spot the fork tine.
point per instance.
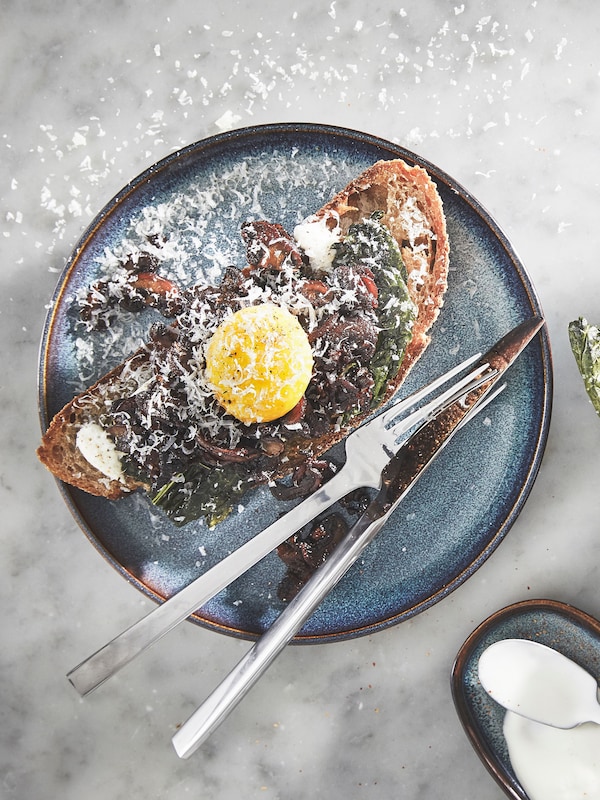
(413, 399)
(473, 380)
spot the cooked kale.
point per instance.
(585, 344)
(208, 492)
(369, 243)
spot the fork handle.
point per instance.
(207, 718)
(110, 658)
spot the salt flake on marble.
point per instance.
(74, 208)
(157, 50)
(227, 121)
(184, 98)
(78, 140)
(559, 49)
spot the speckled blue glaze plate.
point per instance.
(198, 198)
(573, 633)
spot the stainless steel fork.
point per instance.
(368, 449)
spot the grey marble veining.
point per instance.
(505, 97)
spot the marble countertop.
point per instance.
(505, 97)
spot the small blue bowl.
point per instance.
(573, 633)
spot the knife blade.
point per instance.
(399, 476)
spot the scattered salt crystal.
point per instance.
(559, 48)
(79, 139)
(74, 208)
(227, 121)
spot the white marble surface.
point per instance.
(505, 97)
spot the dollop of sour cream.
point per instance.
(552, 763)
(316, 236)
(98, 449)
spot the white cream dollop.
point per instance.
(316, 236)
(551, 763)
(99, 450)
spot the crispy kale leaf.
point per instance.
(585, 344)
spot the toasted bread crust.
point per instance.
(386, 186)
(59, 452)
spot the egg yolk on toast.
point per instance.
(259, 363)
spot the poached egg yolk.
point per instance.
(259, 363)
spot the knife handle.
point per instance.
(207, 718)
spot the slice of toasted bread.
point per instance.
(415, 217)
(413, 213)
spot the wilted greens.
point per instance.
(585, 344)
(370, 243)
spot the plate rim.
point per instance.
(395, 151)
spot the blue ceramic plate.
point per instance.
(198, 197)
(568, 630)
